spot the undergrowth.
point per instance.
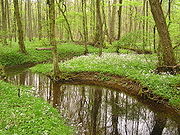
(10, 56)
(27, 114)
(138, 67)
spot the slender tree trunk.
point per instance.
(154, 38)
(25, 21)
(4, 22)
(56, 70)
(147, 24)
(47, 22)
(119, 20)
(167, 50)
(112, 23)
(92, 19)
(119, 24)
(99, 28)
(143, 23)
(39, 19)
(14, 27)
(109, 17)
(20, 29)
(8, 19)
(106, 32)
(30, 20)
(130, 18)
(66, 20)
(85, 31)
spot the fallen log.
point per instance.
(44, 48)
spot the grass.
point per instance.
(27, 114)
(9, 55)
(133, 66)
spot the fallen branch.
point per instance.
(44, 49)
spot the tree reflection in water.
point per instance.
(97, 110)
(159, 125)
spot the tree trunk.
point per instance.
(4, 22)
(167, 50)
(99, 28)
(56, 70)
(85, 31)
(143, 23)
(66, 20)
(8, 4)
(112, 23)
(119, 20)
(130, 17)
(30, 20)
(119, 24)
(106, 32)
(39, 19)
(20, 29)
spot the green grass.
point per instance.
(133, 66)
(9, 55)
(28, 115)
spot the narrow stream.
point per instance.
(96, 110)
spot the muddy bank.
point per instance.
(120, 83)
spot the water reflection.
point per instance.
(96, 110)
(159, 125)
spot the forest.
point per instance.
(89, 67)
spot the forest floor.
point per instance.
(22, 113)
(9, 55)
(127, 71)
(15, 111)
(164, 87)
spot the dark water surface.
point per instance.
(97, 110)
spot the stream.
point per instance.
(96, 110)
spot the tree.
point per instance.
(4, 22)
(39, 19)
(30, 33)
(112, 22)
(119, 23)
(99, 28)
(85, 29)
(51, 4)
(119, 19)
(20, 29)
(65, 18)
(166, 45)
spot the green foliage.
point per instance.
(137, 67)
(174, 25)
(27, 114)
(9, 55)
(130, 39)
(42, 68)
(130, 3)
(134, 39)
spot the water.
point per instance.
(96, 110)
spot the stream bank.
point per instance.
(23, 113)
(161, 88)
(120, 83)
(99, 110)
